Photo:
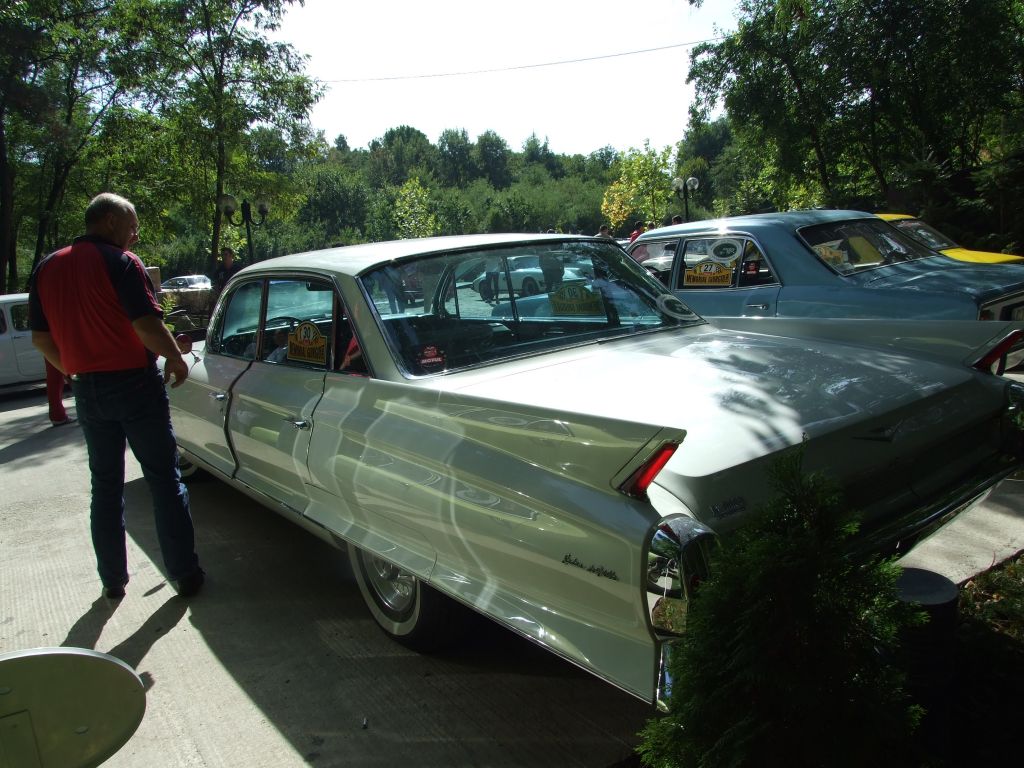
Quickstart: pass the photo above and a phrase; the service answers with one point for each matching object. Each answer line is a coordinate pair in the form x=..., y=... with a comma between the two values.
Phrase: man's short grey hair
x=103, y=204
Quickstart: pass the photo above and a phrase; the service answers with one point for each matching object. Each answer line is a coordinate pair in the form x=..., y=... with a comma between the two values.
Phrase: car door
x=28, y=360
x=200, y=409
x=273, y=401
x=725, y=276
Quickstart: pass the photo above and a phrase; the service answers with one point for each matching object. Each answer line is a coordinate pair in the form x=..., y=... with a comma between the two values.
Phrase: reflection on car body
x=498, y=455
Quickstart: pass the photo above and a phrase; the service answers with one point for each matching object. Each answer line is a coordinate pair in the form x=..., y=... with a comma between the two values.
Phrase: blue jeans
x=119, y=406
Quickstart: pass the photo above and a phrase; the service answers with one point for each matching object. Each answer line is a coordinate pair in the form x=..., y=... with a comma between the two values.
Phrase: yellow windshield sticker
x=575, y=300
x=307, y=345
x=708, y=272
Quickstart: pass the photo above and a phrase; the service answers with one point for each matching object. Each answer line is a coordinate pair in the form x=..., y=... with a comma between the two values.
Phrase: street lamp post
x=683, y=190
x=227, y=205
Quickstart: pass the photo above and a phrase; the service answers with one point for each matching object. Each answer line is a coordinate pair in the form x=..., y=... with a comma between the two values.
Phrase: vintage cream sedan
x=21, y=365
x=514, y=459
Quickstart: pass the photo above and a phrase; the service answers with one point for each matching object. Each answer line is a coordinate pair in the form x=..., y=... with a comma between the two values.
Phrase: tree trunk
x=7, y=241
x=60, y=179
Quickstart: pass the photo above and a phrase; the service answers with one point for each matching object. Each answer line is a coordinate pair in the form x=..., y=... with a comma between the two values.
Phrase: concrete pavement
x=277, y=662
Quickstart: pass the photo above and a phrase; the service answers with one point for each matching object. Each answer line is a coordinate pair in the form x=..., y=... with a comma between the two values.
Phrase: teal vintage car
x=824, y=264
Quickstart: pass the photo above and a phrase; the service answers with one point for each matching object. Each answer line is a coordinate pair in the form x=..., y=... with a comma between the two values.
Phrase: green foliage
x=851, y=101
x=786, y=657
x=644, y=186
x=173, y=102
x=414, y=216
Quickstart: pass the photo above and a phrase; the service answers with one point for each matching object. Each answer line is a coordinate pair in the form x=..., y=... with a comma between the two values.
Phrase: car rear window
x=451, y=311
x=857, y=244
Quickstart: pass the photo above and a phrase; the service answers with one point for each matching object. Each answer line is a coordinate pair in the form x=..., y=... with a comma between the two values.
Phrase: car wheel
x=530, y=287
x=190, y=471
x=408, y=610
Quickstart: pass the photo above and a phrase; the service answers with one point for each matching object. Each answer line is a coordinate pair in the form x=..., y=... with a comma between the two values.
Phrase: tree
x=336, y=201
x=492, y=158
x=455, y=166
x=414, y=216
x=224, y=76
x=644, y=186
x=66, y=64
x=24, y=40
x=403, y=152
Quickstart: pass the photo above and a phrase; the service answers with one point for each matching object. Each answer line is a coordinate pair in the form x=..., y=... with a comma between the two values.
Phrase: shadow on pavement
x=283, y=616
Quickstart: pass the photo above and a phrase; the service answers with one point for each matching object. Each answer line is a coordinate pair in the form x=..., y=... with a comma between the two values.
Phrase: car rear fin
x=636, y=484
x=995, y=359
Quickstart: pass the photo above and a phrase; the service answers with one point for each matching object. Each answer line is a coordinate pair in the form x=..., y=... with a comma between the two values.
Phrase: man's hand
x=176, y=367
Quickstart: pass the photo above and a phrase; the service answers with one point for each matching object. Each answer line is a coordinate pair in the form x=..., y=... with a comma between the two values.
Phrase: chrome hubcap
x=395, y=588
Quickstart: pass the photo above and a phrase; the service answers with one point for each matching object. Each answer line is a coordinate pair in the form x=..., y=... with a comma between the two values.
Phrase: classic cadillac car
x=823, y=264
x=507, y=459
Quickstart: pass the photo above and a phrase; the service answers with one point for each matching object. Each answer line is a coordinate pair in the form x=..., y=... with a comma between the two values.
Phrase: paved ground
x=277, y=662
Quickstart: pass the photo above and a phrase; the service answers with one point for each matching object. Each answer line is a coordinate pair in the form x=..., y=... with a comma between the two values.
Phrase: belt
x=107, y=375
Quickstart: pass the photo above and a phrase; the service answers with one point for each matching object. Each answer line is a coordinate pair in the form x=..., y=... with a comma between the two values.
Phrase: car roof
x=355, y=259
x=13, y=297
x=787, y=219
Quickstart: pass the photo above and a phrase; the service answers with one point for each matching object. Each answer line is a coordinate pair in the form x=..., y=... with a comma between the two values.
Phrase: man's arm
x=157, y=339
x=43, y=341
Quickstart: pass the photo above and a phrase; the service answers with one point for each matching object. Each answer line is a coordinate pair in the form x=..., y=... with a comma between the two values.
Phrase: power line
x=522, y=66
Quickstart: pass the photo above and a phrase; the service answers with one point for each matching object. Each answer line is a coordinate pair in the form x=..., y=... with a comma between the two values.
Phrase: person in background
x=638, y=229
x=492, y=272
x=603, y=231
x=55, y=381
x=94, y=315
x=677, y=219
x=226, y=269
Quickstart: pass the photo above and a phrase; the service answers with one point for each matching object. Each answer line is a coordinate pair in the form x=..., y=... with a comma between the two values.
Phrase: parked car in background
x=20, y=362
x=822, y=264
x=931, y=237
x=497, y=457
x=187, y=283
x=526, y=276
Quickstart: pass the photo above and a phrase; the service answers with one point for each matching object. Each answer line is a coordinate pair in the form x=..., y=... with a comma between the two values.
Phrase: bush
x=787, y=660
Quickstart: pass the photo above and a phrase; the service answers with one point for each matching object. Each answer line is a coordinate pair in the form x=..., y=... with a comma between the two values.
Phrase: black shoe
x=192, y=583
x=114, y=593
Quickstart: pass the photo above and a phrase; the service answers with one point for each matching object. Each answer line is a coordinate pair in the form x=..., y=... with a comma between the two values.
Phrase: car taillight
x=997, y=354
x=638, y=483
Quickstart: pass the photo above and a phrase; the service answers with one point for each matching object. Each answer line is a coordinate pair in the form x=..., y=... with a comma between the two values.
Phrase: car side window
x=19, y=317
x=3, y=322
x=298, y=329
x=754, y=267
x=710, y=262
x=235, y=331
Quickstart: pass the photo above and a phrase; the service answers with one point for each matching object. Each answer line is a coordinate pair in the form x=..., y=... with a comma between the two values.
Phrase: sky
x=401, y=62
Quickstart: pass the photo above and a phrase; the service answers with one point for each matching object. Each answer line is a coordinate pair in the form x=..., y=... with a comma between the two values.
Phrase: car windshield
x=924, y=233
x=449, y=311
x=857, y=244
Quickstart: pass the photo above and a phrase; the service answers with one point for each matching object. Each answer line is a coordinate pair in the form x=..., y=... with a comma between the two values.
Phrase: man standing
x=227, y=269
x=94, y=316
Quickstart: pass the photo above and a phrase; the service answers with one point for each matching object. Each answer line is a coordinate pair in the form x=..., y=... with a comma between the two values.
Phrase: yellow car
x=927, y=234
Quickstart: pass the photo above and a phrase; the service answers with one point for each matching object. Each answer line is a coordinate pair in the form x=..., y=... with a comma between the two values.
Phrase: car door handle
x=219, y=396
x=757, y=306
x=300, y=424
